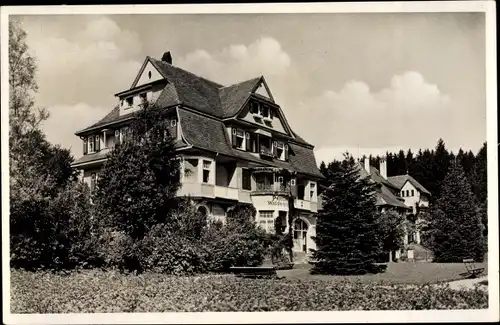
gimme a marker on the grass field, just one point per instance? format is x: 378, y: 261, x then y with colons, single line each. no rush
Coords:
x: 396, y: 273
x: 97, y: 291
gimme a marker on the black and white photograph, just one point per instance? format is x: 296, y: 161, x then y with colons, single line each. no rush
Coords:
x: 249, y: 163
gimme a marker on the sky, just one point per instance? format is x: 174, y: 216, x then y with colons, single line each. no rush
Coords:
x: 364, y: 83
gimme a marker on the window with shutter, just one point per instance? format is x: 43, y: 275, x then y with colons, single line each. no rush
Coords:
x: 286, y: 152
x: 91, y: 143
x: 248, y: 142
x: 117, y: 137
x: 97, y: 143
x: 85, y: 146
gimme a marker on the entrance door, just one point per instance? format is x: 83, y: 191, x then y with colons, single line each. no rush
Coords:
x: 300, y: 236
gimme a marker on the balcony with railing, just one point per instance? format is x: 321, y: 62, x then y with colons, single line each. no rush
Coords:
x: 266, y: 152
x: 266, y: 188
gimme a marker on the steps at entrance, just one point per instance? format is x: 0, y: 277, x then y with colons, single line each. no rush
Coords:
x: 299, y: 258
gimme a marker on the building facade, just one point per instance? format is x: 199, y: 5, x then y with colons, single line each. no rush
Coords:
x: 235, y: 144
x: 401, y: 193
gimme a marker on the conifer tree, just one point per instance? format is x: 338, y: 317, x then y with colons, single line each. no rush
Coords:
x: 456, y: 231
x: 347, y: 231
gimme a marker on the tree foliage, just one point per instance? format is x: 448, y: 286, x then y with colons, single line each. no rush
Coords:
x: 346, y: 238
x: 45, y: 199
x: 391, y: 230
x: 456, y: 231
x: 429, y: 167
x: 137, y: 186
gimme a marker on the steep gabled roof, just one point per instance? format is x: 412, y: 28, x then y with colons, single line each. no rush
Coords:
x: 111, y: 117
x: 234, y: 97
x: 384, y: 195
x: 210, y: 134
x: 400, y: 180
x: 389, y: 199
x: 194, y: 91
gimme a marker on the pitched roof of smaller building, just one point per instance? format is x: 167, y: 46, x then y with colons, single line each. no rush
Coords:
x: 400, y: 180
x: 384, y: 195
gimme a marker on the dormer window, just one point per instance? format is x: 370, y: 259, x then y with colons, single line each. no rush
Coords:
x: 143, y: 98
x: 280, y: 150
x: 264, y: 111
x: 129, y: 101
x: 254, y: 108
x: 239, y: 139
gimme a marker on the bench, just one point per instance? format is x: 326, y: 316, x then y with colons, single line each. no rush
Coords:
x: 472, y: 270
x: 255, y: 272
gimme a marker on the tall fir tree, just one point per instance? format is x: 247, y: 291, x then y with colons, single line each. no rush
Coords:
x: 401, y: 163
x: 480, y: 176
x: 456, y: 229
x: 347, y: 230
x: 439, y: 167
x: 409, y: 161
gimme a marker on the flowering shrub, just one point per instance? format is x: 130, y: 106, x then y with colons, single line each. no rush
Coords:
x: 96, y: 291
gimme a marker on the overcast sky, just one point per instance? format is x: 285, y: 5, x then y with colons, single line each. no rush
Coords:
x: 374, y: 81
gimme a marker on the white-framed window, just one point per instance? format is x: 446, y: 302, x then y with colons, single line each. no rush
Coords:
x: 412, y: 192
x: 264, y: 111
x: 117, y: 137
x: 246, y: 179
x: 240, y: 138
x: 293, y: 182
x: 91, y: 143
x: 312, y: 190
x: 266, y: 221
x: 254, y: 108
x: 207, y: 166
x: 143, y: 98
x: 129, y: 101
x: 280, y: 150
x: 402, y: 193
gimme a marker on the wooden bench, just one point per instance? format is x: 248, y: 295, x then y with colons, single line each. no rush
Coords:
x: 255, y: 272
x: 472, y: 270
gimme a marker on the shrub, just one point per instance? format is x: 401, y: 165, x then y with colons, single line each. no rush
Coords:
x: 239, y: 242
x: 94, y: 292
x: 117, y: 250
x: 169, y: 252
x: 52, y: 233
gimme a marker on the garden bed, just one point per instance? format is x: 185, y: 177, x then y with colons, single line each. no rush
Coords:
x: 97, y: 291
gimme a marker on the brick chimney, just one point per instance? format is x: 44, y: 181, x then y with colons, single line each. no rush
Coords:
x: 383, y: 167
x: 167, y: 57
x: 367, y: 164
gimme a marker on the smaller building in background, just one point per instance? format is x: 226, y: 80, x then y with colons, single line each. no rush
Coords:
x: 400, y: 193
x: 414, y: 194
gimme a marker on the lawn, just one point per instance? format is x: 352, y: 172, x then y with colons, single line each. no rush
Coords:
x: 97, y: 291
x: 396, y: 273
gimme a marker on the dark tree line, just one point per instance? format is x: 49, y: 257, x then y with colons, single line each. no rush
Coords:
x: 430, y: 166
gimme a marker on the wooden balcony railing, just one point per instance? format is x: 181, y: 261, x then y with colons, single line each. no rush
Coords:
x: 276, y: 187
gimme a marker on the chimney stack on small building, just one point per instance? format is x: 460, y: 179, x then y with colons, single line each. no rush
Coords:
x: 367, y: 164
x: 167, y: 57
x: 383, y: 167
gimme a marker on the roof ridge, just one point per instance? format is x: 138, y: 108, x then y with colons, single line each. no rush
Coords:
x: 239, y: 83
x: 189, y: 72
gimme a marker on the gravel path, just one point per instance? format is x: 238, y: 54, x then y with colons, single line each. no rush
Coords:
x: 468, y: 283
